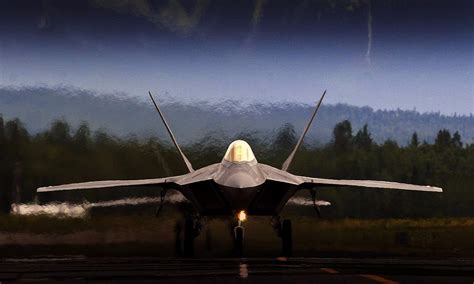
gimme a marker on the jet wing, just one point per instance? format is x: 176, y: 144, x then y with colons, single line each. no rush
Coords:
x: 368, y: 183
x: 202, y: 174
x: 167, y: 181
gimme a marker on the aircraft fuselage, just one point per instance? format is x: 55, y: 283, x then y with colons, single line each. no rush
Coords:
x: 236, y: 187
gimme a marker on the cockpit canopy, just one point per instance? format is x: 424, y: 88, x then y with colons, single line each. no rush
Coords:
x: 239, y: 151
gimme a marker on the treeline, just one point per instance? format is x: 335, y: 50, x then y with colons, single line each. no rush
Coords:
x: 64, y: 155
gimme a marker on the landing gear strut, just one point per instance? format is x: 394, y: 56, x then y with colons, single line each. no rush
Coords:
x: 313, y: 198
x: 192, y: 228
x: 162, y: 201
x: 286, y: 238
x: 285, y: 232
x: 239, y: 241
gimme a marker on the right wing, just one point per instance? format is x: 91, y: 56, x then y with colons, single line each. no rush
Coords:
x: 113, y: 183
x: 368, y: 183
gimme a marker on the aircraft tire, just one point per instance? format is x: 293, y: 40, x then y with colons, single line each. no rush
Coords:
x: 189, y: 237
x: 286, y: 238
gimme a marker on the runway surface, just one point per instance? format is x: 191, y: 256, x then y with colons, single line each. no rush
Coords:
x: 232, y: 270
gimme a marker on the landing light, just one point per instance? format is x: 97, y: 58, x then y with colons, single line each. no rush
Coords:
x: 242, y: 216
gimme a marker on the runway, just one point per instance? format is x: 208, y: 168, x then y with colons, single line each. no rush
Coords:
x: 233, y: 270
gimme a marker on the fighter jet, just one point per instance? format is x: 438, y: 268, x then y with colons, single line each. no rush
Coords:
x: 239, y: 186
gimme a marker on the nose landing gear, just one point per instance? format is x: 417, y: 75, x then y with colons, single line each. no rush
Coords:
x: 283, y: 229
x: 239, y: 241
x: 238, y: 234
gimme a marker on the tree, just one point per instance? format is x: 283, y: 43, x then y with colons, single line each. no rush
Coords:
x: 14, y: 130
x: 4, y: 197
x: 342, y: 135
x: 285, y: 139
x: 2, y: 130
x: 16, y: 136
x: 456, y: 140
x: 60, y: 132
x: 443, y: 139
x: 82, y: 137
x: 414, y: 143
x: 363, y: 139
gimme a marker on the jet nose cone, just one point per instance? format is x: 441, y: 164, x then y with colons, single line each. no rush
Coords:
x: 240, y: 180
x: 239, y: 175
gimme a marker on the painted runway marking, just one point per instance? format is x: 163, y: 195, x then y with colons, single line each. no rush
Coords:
x: 46, y: 259
x: 243, y: 271
x: 379, y: 279
x: 329, y: 270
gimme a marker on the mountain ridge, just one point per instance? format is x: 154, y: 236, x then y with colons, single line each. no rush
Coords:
x: 121, y: 115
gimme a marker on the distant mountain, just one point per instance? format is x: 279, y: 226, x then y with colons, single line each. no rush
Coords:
x: 120, y: 115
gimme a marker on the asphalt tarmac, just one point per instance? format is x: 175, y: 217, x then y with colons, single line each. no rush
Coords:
x: 233, y: 270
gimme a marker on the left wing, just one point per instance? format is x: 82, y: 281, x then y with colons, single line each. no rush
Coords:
x: 367, y: 183
x: 112, y: 183
x: 176, y: 182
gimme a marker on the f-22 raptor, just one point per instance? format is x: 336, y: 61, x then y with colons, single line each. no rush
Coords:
x: 239, y: 186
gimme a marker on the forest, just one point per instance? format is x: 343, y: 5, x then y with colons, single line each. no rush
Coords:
x: 65, y: 155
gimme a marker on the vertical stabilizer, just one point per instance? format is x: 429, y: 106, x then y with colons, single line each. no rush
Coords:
x: 288, y: 161
x: 186, y: 161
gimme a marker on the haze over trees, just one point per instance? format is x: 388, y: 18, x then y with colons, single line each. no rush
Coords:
x: 63, y: 154
x: 121, y: 115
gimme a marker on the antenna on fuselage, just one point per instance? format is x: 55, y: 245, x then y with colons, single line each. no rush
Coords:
x: 186, y: 161
x: 288, y: 161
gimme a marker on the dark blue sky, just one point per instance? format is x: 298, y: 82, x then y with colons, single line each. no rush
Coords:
x: 384, y: 54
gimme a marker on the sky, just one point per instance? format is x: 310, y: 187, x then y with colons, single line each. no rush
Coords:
x: 411, y: 54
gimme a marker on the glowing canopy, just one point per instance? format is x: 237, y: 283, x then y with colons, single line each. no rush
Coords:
x: 239, y: 151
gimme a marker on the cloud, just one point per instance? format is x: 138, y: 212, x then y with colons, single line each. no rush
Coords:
x: 257, y: 13
x: 369, y: 32
x: 45, y: 20
x: 256, y: 19
x: 140, y: 8
x: 172, y: 16
x: 175, y: 17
